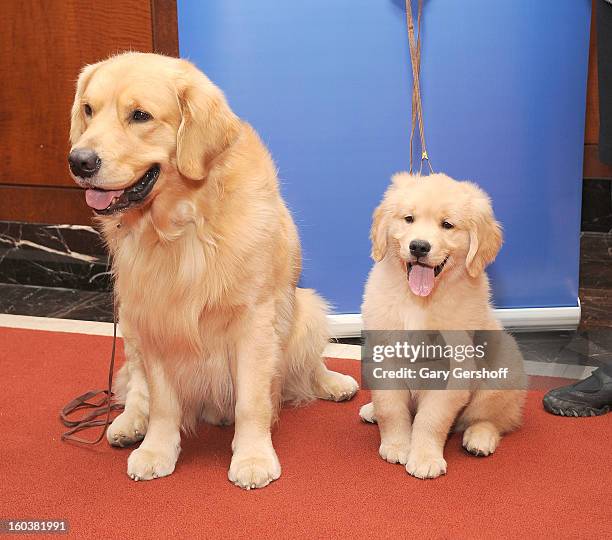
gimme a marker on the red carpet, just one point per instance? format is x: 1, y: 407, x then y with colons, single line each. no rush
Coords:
x: 551, y: 479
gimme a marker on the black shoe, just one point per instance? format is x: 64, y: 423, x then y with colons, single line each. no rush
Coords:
x: 590, y: 397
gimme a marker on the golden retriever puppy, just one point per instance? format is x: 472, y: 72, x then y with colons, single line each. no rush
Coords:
x: 206, y: 259
x: 432, y: 238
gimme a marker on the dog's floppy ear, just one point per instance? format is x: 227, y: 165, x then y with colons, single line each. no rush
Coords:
x: 485, y: 234
x: 379, y: 232
x: 77, y: 124
x: 208, y: 126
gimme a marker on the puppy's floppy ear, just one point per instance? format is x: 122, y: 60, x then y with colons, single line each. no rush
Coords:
x: 208, y: 126
x: 379, y: 232
x: 485, y: 234
x: 77, y: 123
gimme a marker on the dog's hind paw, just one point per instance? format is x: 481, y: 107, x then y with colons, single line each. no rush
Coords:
x: 127, y: 429
x: 336, y: 386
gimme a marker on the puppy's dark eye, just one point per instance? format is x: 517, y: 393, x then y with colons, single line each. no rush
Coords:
x: 87, y: 109
x: 447, y: 225
x: 140, y: 116
x: 409, y: 219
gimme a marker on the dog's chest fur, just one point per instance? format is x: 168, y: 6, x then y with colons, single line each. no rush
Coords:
x: 165, y: 289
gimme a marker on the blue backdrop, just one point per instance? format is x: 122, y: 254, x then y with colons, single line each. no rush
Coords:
x: 327, y: 84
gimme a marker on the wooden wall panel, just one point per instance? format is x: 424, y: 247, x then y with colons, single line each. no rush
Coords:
x: 43, y: 45
x: 44, y: 204
x: 591, y: 132
x: 593, y: 168
x: 165, y: 27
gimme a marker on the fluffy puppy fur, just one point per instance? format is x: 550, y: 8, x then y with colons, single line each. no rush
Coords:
x: 206, y: 266
x: 457, y: 220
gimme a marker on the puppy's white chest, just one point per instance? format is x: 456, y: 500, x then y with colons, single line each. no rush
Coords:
x: 413, y: 317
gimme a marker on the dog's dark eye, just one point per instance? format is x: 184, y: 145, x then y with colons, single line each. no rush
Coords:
x: 447, y: 225
x: 141, y: 116
x: 409, y: 219
x: 87, y: 109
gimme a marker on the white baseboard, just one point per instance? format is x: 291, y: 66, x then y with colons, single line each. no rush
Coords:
x: 516, y: 319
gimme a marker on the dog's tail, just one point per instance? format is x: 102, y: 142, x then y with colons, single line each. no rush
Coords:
x: 308, y: 337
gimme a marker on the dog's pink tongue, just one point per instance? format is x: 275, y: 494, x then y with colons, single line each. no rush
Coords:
x: 99, y: 199
x: 421, y: 279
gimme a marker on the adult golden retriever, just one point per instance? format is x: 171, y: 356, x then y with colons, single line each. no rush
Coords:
x: 432, y: 238
x: 206, y: 259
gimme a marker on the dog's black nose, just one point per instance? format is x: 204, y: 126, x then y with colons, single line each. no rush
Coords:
x: 420, y: 248
x: 84, y: 162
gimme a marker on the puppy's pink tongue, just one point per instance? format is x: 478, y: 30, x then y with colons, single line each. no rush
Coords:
x: 99, y: 199
x: 421, y: 279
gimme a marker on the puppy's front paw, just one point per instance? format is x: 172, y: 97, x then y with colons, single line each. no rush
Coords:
x: 147, y: 464
x: 424, y: 464
x: 127, y: 429
x: 254, y: 469
x: 394, y: 452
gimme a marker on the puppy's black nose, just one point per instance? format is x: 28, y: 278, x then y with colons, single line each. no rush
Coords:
x: 84, y: 162
x: 420, y: 248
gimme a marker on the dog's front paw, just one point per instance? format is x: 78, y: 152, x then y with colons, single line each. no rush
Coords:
x: 394, y: 452
x: 147, y: 463
x: 127, y: 429
x: 250, y: 470
x: 425, y: 464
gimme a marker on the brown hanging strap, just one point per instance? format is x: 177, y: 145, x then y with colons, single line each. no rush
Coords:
x: 417, y: 106
x: 96, y: 409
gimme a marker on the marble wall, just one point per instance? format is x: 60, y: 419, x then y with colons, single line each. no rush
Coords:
x: 68, y: 256
x: 54, y: 271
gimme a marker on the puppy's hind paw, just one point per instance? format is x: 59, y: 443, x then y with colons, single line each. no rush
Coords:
x: 481, y: 439
x: 367, y: 413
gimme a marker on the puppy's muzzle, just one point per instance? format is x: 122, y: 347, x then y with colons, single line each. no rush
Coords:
x: 419, y: 248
